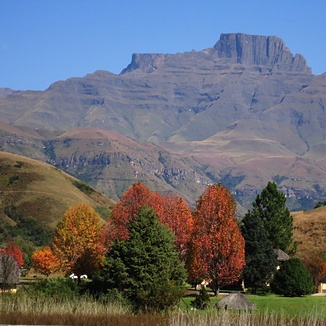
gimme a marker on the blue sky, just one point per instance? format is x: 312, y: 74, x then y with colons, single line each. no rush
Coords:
x: 42, y: 41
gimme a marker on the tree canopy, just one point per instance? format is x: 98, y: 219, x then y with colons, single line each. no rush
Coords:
x: 217, y: 249
x: 292, y: 279
x: 44, y: 261
x: 78, y: 241
x: 261, y: 259
x: 270, y: 207
x: 145, y: 268
x: 170, y: 210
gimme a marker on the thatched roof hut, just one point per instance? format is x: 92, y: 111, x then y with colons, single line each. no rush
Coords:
x: 281, y: 255
x: 235, y: 301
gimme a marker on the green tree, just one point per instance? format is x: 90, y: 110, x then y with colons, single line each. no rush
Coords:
x: 292, y: 279
x: 270, y: 206
x: 145, y: 268
x: 261, y: 260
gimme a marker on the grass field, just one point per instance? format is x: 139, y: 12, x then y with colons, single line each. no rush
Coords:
x: 278, y: 305
x: 272, y: 311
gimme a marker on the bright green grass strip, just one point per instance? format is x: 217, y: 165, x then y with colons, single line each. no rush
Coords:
x: 277, y: 305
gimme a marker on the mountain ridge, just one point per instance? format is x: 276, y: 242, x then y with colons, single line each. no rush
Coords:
x: 246, y: 110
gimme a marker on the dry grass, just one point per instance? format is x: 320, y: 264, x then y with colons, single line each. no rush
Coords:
x: 39, y: 188
x: 19, y: 309
x: 309, y: 232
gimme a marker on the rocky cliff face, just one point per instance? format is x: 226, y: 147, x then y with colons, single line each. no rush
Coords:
x: 232, y: 48
x: 258, y: 50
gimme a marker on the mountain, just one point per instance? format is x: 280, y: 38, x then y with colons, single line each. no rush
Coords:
x: 243, y: 112
x: 107, y: 160
x: 34, y: 196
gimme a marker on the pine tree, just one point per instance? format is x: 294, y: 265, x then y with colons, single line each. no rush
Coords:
x: 261, y: 260
x: 270, y: 206
x: 145, y: 268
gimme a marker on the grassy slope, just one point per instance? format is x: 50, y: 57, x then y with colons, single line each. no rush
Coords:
x: 32, y: 188
x: 309, y: 232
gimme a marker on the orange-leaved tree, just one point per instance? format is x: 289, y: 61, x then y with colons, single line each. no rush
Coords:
x: 78, y: 241
x: 44, y: 261
x: 171, y: 211
x: 14, y: 250
x: 219, y: 247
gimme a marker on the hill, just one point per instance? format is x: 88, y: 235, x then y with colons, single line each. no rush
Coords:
x: 243, y: 112
x: 309, y: 232
x: 34, y: 195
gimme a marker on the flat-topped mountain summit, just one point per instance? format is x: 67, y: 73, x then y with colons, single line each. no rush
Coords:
x: 246, y: 110
x: 244, y: 49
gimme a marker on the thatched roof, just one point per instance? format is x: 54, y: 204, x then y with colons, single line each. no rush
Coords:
x: 281, y: 255
x: 236, y: 301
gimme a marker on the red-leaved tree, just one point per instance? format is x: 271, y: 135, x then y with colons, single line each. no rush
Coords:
x: 14, y: 250
x: 218, y: 245
x: 170, y: 210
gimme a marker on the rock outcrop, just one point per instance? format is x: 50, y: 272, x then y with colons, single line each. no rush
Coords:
x: 259, y: 50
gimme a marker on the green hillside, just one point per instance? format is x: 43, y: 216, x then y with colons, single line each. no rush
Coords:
x: 34, y: 196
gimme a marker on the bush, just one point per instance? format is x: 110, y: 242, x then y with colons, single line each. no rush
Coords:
x: 202, y: 299
x: 292, y: 279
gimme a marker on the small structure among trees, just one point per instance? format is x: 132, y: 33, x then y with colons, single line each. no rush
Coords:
x: 235, y: 301
x: 9, y: 272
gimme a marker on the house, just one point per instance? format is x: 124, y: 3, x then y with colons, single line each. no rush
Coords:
x: 9, y: 273
x: 322, y: 285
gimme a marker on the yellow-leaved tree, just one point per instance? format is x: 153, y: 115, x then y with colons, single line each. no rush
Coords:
x: 78, y: 241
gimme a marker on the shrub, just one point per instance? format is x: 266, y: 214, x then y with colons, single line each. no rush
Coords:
x: 202, y: 299
x: 292, y: 279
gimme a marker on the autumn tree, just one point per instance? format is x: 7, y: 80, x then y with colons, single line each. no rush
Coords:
x: 270, y: 207
x: 175, y: 213
x: 316, y: 267
x: 78, y: 241
x: 145, y: 268
x: 170, y: 210
x: 13, y: 250
x: 218, y: 242
x: 127, y: 208
x: 44, y: 261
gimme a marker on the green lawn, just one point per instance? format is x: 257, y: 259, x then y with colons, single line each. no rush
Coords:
x: 278, y: 305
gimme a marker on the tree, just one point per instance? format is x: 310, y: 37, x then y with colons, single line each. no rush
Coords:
x: 261, y: 260
x: 202, y: 299
x: 217, y: 240
x: 292, y: 279
x: 9, y: 272
x: 145, y: 268
x: 78, y: 241
x: 13, y: 250
x: 127, y: 208
x: 44, y: 261
x: 174, y: 212
x: 170, y: 210
x: 270, y: 207
x: 316, y: 266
